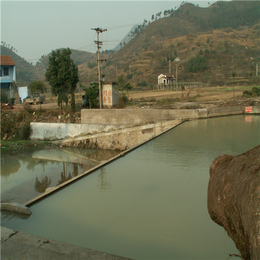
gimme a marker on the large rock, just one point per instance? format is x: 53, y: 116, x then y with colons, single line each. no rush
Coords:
x: 234, y: 199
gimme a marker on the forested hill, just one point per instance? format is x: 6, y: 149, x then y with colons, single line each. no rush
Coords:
x: 25, y: 72
x: 211, y: 42
x: 221, y: 14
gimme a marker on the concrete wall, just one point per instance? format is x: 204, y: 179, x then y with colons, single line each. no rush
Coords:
x: 57, y: 131
x: 97, y: 121
x: 225, y: 111
x: 252, y: 110
x: 122, y: 139
x: 138, y: 116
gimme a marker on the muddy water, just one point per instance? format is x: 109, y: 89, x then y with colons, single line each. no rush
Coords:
x: 152, y: 203
x: 27, y: 175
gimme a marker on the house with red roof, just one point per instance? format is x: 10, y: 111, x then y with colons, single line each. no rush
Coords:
x: 7, y: 74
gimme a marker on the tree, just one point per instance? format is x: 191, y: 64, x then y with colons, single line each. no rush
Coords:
x: 4, y: 97
x: 62, y: 75
x: 91, y: 94
x: 124, y: 85
x: 37, y: 86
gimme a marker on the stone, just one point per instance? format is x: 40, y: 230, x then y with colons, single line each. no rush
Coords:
x: 16, y: 207
x: 234, y: 199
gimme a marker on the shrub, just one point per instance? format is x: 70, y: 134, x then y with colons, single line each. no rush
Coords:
x: 197, y: 64
x: 254, y: 92
x: 142, y: 83
x: 4, y: 97
x: 16, y: 125
x: 25, y: 130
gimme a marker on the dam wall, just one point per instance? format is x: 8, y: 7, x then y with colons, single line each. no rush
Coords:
x: 122, y: 139
x: 58, y: 131
x: 96, y: 121
x: 138, y: 116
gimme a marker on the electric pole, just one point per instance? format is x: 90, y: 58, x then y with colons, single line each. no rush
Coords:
x: 99, y: 43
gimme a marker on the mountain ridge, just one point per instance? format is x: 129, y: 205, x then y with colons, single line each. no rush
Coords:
x: 225, y: 35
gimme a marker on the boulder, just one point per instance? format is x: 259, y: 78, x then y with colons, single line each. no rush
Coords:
x: 234, y: 199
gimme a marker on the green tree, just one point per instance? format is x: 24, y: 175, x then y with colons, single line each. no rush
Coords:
x: 4, y: 97
x: 62, y: 75
x: 121, y: 83
x: 197, y: 64
x: 37, y: 86
x: 91, y: 94
x: 62, y: 97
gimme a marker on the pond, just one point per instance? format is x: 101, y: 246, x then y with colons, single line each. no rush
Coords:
x: 151, y: 203
x: 27, y: 175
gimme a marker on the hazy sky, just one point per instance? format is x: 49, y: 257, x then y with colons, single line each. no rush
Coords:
x: 35, y: 28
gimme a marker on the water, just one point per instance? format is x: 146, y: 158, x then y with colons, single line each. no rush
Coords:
x: 25, y: 176
x: 151, y: 203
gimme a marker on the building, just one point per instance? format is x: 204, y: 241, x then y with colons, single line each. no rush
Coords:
x: 7, y: 75
x: 166, y: 79
x: 110, y: 95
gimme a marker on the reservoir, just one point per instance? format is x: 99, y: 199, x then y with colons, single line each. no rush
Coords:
x: 151, y: 203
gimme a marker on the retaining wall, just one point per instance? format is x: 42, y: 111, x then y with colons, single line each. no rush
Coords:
x: 252, y: 110
x: 122, y: 139
x: 57, y: 131
x: 225, y: 111
x: 106, y: 120
x: 138, y: 116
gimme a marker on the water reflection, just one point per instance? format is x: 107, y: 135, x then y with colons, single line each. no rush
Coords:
x: 151, y: 203
x: 9, y: 165
x: 104, y: 184
x: 42, y: 185
x: 8, y: 215
x: 29, y: 174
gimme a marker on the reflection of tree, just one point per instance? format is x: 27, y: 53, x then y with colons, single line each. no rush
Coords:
x: 75, y: 169
x: 63, y: 176
x: 42, y: 185
x: 32, y: 163
x: 104, y: 184
x: 9, y: 165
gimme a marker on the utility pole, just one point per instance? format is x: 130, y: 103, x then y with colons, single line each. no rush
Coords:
x: 170, y: 67
x: 99, y: 43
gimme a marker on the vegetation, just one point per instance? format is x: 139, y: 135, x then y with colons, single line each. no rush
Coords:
x: 4, y: 97
x: 15, y: 125
x: 197, y: 64
x: 90, y: 96
x: 37, y: 86
x: 255, y: 92
x: 62, y: 75
x: 212, y: 42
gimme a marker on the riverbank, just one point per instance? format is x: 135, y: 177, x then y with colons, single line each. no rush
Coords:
x: 19, y: 246
x: 18, y: 146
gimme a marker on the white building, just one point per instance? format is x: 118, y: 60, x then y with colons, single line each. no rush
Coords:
x: 166, y: 79
x: 110, y: 95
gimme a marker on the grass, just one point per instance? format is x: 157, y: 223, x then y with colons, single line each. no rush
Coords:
x: 16, y: 146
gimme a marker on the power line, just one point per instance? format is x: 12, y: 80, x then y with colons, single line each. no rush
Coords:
x: 99, y: 43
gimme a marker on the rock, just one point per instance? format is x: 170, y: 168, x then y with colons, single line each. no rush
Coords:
x: 234, y: 199
x: 16, y: 207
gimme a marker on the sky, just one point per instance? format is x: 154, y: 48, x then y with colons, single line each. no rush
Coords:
x: 35, y: 28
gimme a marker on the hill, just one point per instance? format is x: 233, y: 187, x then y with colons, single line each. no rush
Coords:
x: 212, y: 43
x: 25, y: 72
x: 84, y: 60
